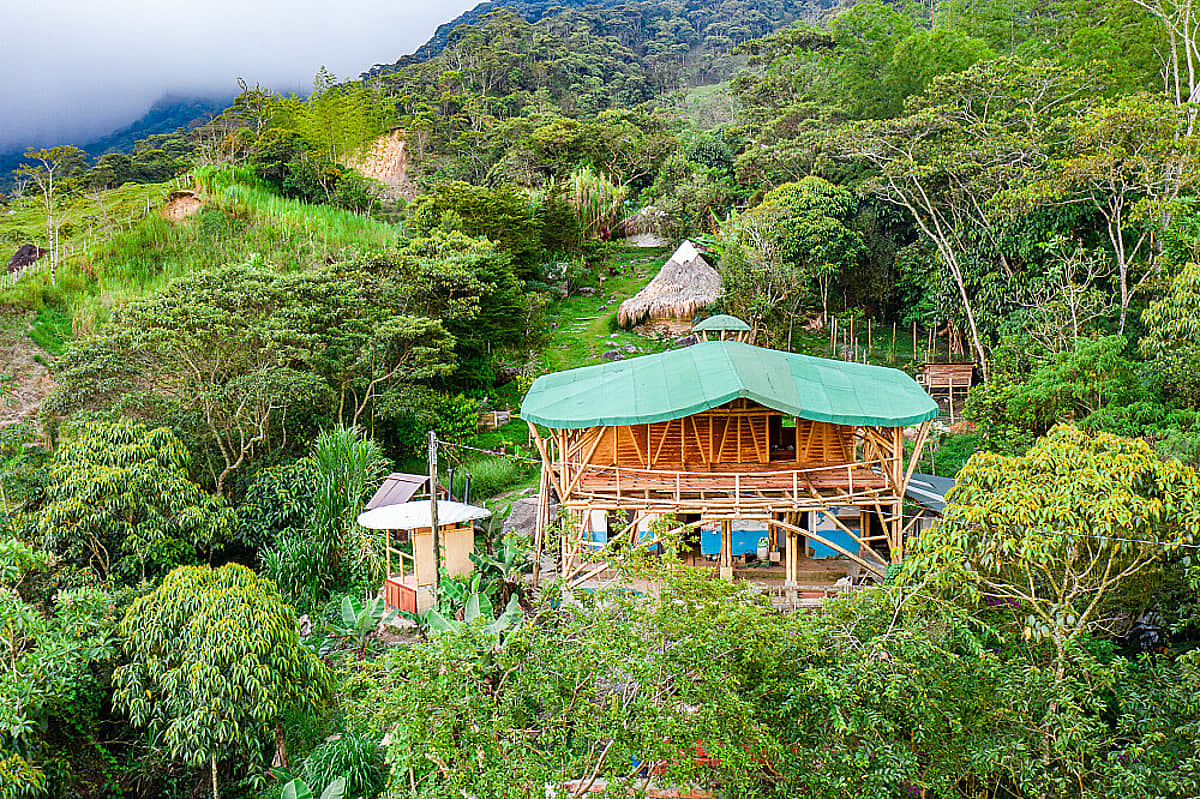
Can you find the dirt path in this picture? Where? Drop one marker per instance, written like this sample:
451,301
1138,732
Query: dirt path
24,379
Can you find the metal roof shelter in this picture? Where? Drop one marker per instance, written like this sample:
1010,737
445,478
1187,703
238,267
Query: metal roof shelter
414,515
929,491
399,487
679,383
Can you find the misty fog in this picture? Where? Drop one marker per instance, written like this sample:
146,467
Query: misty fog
75,69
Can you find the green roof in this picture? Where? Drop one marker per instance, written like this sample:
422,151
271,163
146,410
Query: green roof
678,383
721,321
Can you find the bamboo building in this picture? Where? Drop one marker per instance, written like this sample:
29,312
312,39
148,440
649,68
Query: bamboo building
738,442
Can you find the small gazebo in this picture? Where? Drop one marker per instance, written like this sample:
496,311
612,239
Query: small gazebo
415,590
686,285
722,327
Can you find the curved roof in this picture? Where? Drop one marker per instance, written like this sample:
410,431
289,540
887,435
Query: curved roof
678,383
413,515
721,321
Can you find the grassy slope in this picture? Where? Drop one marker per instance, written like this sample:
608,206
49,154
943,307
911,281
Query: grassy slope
583,328
118,247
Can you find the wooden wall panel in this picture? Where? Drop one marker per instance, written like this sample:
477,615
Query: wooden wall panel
738,433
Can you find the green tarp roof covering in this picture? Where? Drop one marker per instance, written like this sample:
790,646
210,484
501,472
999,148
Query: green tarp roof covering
678,383
721,321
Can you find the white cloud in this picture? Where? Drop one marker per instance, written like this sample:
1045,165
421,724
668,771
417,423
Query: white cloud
71,69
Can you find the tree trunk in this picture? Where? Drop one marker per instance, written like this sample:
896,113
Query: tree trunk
280,747
213,760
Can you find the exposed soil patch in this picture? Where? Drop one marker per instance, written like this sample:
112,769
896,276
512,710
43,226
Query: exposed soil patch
387,162
24,379
181,205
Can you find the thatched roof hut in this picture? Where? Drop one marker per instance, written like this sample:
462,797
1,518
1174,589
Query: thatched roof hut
685,285
649,227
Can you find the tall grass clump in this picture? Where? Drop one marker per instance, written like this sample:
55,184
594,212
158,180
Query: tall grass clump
239,188
595,199
489,477
332,550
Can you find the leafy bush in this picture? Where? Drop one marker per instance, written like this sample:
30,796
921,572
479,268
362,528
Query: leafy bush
954,451
299,565
279,501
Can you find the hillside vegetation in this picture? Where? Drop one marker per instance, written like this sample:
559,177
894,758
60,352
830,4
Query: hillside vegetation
234,335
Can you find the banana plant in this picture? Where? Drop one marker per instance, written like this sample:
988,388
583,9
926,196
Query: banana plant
296,788
505,567
356,623
477,606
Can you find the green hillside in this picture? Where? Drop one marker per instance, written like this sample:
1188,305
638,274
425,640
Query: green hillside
241,330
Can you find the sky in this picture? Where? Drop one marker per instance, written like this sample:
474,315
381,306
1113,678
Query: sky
72,70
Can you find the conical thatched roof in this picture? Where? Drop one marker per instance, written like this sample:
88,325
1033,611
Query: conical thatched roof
684,285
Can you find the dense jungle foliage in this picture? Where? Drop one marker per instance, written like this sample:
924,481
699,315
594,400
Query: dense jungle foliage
189,608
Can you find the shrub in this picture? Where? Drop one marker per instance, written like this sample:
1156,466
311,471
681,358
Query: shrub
954,452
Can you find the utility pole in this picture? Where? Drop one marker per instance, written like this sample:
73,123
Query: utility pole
433,509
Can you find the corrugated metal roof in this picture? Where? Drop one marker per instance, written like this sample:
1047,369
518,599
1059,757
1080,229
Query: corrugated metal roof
929,491
398,488
679,383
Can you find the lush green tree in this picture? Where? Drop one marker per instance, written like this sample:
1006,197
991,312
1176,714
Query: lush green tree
1172,337
1129,159
969,137
503,215
119,500
231,355
1064,531
48,662
214,662
815,234
208,347
337,120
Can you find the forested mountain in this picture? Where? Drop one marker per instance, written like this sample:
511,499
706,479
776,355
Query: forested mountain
167,115
234,332
642,26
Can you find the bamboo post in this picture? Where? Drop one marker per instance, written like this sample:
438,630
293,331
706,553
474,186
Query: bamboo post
914,341
893,356
868,337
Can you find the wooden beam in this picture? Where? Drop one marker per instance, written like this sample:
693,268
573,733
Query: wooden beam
584,463
872,567
838,523
541,446
633,437
663,440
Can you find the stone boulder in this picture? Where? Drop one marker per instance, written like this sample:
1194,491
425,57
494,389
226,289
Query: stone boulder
27,255
523,517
